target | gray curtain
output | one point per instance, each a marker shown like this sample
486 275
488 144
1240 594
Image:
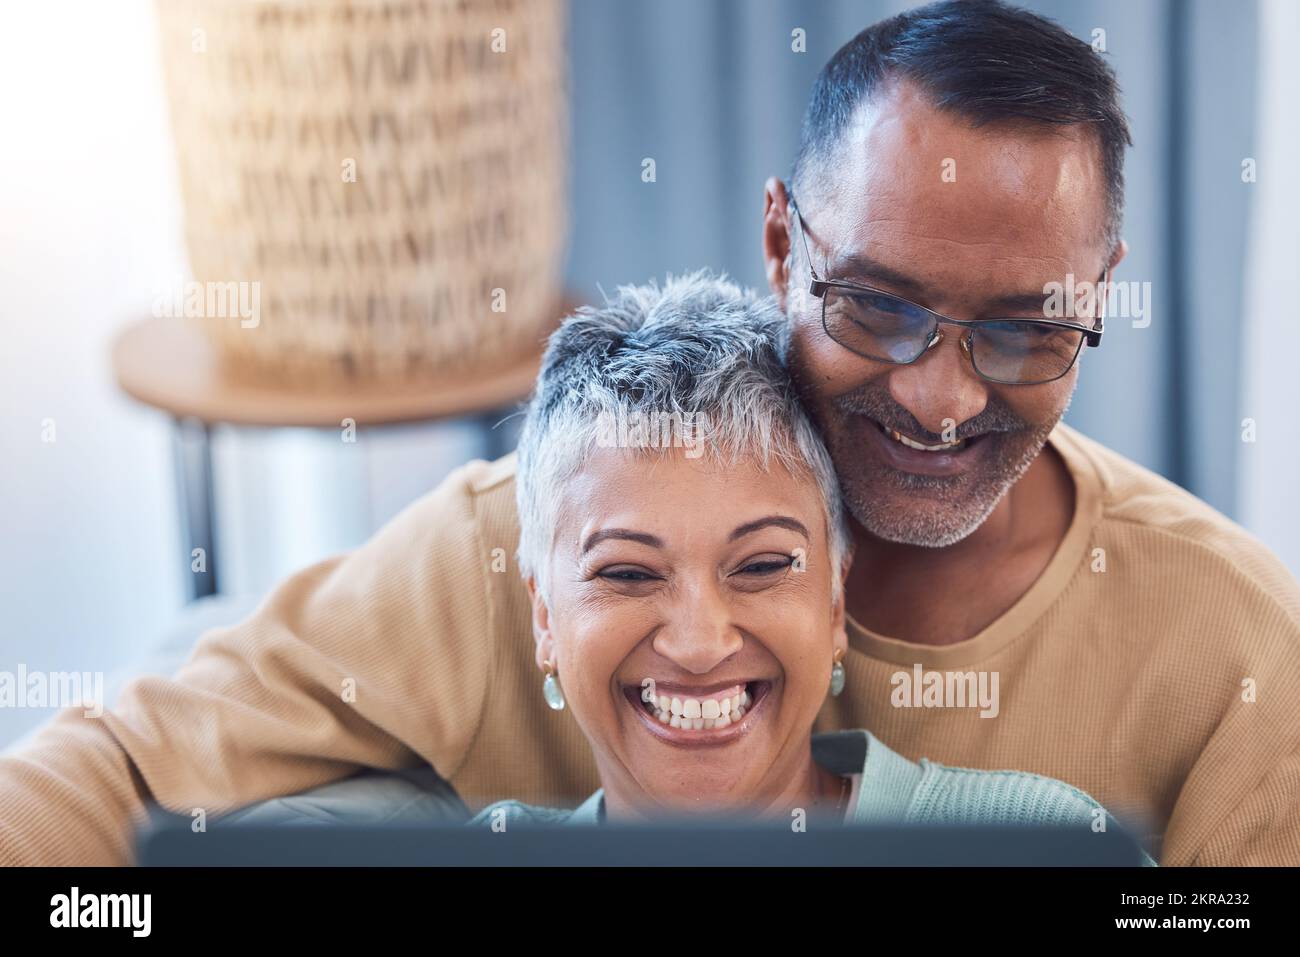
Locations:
711 90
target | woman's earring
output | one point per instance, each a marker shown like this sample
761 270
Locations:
551 690
837 673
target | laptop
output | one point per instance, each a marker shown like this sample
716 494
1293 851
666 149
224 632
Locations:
169 841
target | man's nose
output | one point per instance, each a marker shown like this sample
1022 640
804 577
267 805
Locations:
941 385
699 633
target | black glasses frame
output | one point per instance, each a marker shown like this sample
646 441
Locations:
818 288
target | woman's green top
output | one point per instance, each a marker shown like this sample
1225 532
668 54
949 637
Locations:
890 789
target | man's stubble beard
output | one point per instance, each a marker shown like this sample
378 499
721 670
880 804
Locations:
932 522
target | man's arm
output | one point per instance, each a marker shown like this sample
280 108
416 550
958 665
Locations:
1240 805
1264 829
375 659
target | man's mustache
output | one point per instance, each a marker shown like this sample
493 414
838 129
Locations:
876 403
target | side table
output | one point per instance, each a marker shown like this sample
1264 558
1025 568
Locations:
171 365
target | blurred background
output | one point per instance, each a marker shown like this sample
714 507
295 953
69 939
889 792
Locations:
95 562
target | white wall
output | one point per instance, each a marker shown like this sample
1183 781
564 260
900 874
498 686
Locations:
88 221
1269 468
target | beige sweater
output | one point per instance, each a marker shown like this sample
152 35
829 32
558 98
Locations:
1166 686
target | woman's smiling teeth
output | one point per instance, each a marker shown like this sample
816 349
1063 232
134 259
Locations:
702 713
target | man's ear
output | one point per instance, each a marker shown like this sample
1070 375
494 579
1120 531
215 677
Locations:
541 625
776 238
1121 250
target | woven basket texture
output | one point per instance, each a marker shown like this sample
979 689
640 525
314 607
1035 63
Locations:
390 172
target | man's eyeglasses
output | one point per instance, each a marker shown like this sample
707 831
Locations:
881 326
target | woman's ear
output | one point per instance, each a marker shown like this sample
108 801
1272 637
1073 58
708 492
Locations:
541 625
839 633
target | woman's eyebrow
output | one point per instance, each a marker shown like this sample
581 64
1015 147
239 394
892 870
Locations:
595 538
781 521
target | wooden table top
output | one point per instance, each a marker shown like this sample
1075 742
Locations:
171 365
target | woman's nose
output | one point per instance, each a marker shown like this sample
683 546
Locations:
699 633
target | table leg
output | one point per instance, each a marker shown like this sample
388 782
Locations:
192 444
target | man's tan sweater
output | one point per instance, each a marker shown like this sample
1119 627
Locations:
1155 665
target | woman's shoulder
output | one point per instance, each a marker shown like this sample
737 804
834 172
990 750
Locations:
501 814
1000 797
969 795
927 792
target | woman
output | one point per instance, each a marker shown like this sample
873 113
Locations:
684 547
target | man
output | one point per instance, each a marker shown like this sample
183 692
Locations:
1122 636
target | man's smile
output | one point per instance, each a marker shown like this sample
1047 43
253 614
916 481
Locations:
905 453
920 446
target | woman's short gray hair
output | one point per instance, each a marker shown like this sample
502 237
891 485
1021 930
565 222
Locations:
697 362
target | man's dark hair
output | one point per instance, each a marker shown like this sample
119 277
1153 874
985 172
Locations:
980 59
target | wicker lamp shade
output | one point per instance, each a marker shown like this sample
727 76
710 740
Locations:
389 172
